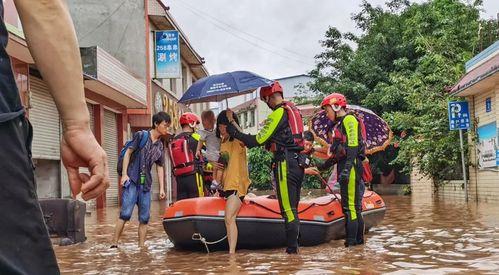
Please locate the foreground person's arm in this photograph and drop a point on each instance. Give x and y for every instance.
(52, 42)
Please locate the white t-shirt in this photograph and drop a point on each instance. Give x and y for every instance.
(212, 144)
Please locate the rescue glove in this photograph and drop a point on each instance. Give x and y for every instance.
(232, 131)
(344, 176)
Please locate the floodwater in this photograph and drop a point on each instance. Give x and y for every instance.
(417, 236)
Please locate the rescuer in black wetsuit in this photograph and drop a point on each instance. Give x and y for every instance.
(278, 138)
(349, 150)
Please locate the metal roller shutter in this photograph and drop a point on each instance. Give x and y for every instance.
(46, 122)
(110, 145)
(92, 118)
(168, 178)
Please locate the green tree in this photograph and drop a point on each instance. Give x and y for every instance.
(403, 64)
(259, 161)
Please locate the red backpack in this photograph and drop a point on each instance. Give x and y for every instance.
(295, 122)
(181, 155)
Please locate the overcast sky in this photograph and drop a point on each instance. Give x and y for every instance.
(274, 38)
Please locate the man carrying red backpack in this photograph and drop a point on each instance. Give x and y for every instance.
(349, 150)
(144, 150)
(186, 169)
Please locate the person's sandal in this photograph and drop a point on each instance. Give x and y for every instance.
(114, 246)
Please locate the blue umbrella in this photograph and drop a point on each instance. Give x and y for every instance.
(218, 87)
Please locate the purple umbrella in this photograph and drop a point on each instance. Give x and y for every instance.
(378, 132)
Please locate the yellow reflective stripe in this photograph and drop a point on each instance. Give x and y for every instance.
(283, 188)
(196, 136)
(351, 194)
(199, 182)
(270, 126)
(351, 125)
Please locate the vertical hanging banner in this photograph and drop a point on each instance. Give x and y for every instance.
(167, 54)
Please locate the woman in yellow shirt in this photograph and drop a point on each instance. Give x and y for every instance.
(235, 178)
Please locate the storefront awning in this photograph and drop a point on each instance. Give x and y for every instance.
(17, 46)
(481, 78)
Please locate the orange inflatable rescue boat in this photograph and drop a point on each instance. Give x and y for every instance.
(195, 223)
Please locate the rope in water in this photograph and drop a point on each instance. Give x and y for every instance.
(199, 237)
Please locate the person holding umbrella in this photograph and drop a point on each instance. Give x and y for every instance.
(349, 150)
(282, 134)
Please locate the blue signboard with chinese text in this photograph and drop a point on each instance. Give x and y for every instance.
(488, 105)
(459, 115)
(167, 54)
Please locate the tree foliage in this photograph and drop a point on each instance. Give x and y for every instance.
(259, 161)
(260, 171)
(401, 66)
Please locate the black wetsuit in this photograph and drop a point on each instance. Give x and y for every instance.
(349, 176)
(277, 133)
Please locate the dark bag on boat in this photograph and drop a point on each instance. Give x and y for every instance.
(65, 218)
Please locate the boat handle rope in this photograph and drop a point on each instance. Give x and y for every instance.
(199, 237)
(307, 208)
(324, 183)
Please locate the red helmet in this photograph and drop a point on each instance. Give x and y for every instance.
(334, 99)
(189, 118)
(270, 90)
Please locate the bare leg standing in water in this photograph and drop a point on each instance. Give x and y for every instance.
(120, 225)
(231, 209)
(142, 234)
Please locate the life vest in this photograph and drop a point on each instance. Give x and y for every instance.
(181, 155)
(295, 121)
(338, 147)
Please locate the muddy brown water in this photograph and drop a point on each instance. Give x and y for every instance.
(417, 236)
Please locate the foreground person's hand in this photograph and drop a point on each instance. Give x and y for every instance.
(79, 148)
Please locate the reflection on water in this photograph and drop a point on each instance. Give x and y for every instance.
(418, 236)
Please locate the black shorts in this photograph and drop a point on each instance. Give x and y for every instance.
(25, 246)
(228, 193)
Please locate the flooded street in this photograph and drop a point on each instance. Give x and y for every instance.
(417, 236)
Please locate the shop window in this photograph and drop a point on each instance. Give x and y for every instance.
(245, 123)
(184, 78)
(252, 118)
(241, 122)
(173, 85)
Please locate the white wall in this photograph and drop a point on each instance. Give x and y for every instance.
(290, 84)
